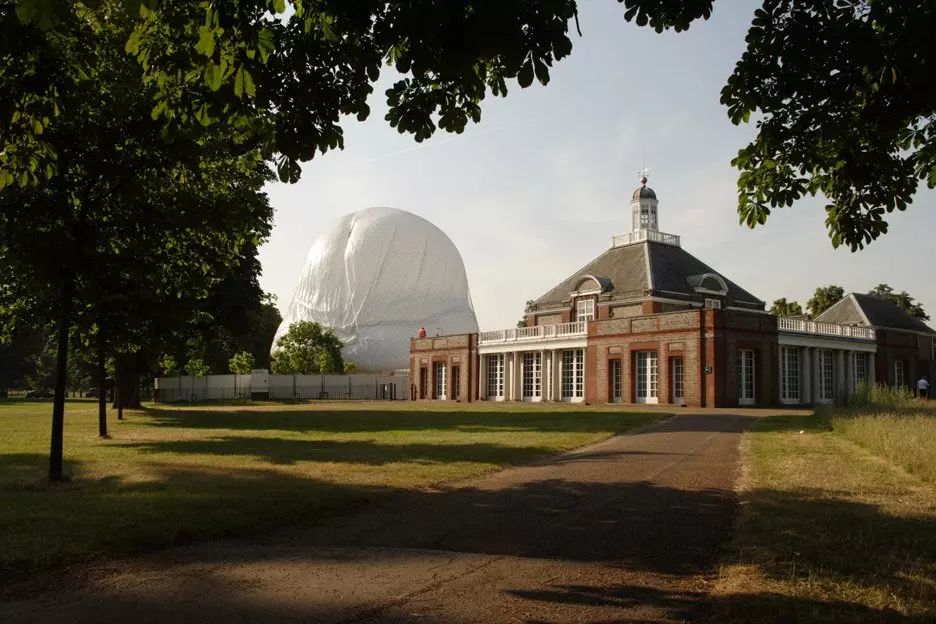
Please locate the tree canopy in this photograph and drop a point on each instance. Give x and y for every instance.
(841, 92)
(308, 349)
(903, 300)
(823, 299)
(782, 307)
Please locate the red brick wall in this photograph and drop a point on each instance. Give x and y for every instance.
(459, 350)
(674, 334)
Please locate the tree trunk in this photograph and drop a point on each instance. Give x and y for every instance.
(61, 368)
(102, 386)
(127, 382)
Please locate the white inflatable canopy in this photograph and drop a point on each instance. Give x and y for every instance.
(376, 276)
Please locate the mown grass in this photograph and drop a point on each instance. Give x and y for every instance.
(171, 475)
(838, 519)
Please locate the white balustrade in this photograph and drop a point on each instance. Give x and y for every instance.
(532, 334)
(803, 326)
(638, 236)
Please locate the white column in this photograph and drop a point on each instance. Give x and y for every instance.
(542, 372)
(556, 376)
(817, 353)
(849, 374)
(508, 376)
(482, 378)
(518, 376)
(841, 394)
(805, 361)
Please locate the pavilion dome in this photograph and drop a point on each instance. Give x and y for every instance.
(375, 277)
(644, 192)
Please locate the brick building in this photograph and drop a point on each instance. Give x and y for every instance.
(648, 322)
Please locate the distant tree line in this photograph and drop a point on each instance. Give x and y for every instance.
(827, 296)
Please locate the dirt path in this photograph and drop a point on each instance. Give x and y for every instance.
(627, 530)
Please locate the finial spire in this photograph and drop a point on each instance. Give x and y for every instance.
(644, 173)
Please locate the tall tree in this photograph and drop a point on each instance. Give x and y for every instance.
(823, 299)
(842, 91)
(903, 300)
(308, 349)
(782, 307)
(135, 218)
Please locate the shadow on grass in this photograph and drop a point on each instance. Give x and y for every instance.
(290, 451)
(353, 420)
(636, 527)
(554, 420)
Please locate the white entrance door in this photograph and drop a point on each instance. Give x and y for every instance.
(746, 370)
(645, 367)
(677, 391)
(616, 381)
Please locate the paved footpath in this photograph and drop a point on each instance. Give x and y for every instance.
(627, 530)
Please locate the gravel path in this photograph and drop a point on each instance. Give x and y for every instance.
(627, 530)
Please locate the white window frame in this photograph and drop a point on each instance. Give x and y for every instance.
(789, 375)
(617, 380)
(678, 383)
(747, 375)
(646, 377)
(440, 381)
(495, 376)
(859, 368)
(585, 310)
(899, 378)
(573, 375)
(712, 304)
(532, 389)
(826, 379)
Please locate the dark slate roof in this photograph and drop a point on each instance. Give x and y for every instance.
(644, 269)
(867, 310)
(624, 269)
(644, 192)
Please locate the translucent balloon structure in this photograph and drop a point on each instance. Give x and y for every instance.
(376, 277)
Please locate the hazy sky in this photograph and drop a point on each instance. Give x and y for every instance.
(535, 190)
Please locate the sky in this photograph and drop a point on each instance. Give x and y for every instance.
(535, 191)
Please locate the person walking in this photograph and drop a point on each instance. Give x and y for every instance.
(922, 387)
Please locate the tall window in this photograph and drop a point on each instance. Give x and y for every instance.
(789, 374)
(495, 375)
(859, 368)
(616, 381)
(713, 304)
(826, 375)
(441, 381)
(645, 366)
(899, 380)
(585, 310)
(746, 376)
(573, 375)
(456, 382)
(532, 377)
(678, 383)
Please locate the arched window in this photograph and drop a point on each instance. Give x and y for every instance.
(899, 380)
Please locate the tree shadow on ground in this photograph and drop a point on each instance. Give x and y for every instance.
(290, 451)
(627, 528)
(404, 419)
(484, 418)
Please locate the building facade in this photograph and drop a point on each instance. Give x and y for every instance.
(648, 322)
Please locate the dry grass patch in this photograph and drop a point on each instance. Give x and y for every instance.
(174, 475)
(828, 532)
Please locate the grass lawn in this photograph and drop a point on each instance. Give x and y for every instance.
(170, 475)
(838, 522)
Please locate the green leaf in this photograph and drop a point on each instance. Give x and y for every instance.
(525, 75)
(206, 41)
(213, 76)
(239, 81)
(249, 84)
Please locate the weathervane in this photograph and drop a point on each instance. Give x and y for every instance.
(644, 171)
